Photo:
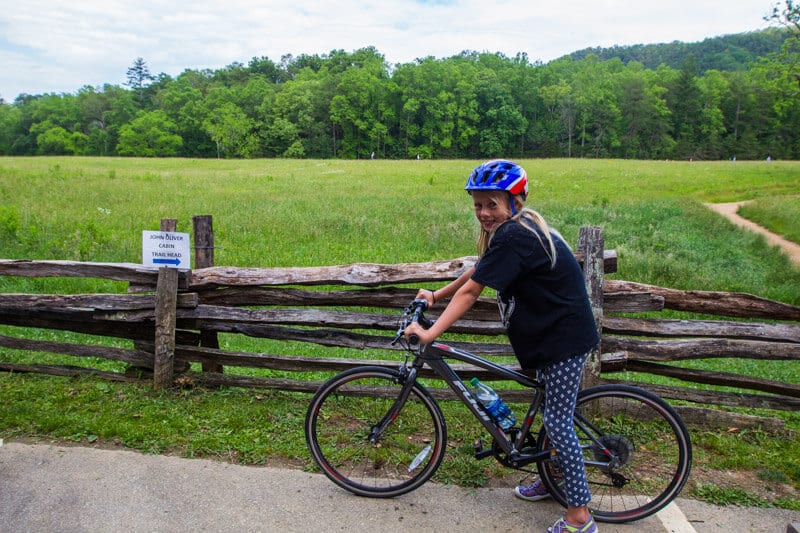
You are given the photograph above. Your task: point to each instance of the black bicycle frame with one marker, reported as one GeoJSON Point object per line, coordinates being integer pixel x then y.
{"type": "Point", "coordinates": [434, 355]}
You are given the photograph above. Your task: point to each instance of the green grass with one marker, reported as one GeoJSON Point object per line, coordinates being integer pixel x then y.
{"type": "Point", "coordinates": [295, 213]}
{"type": "Point", "coordinates": [243, 426]}
{"type": "Point", "coordinates": [307, 213]}
{"type": "Point", "coordinates": [779, 214]}
{"type": "Point", "coordinates": [728, 496]}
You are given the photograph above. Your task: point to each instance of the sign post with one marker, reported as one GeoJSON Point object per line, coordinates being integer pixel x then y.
{"type": "Point", "coordinates": [169, 251]}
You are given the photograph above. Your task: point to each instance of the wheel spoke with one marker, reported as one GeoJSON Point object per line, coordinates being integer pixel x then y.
{"type": "Point", "coordinates": [636, 450]}
{"type": "Point", "coordinates": [342, 433]}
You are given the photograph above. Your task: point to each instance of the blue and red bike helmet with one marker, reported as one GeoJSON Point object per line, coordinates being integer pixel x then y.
{"type": "Point", "coordinates": [499, 175]}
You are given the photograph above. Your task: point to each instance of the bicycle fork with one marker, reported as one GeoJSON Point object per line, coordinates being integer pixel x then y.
{"type": "Point", "coordinates": [408, 376]}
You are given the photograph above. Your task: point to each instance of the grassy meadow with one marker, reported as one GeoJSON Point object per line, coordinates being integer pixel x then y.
{"type": "Point", "coordinates": [299, 213]}
{"type": "Point", "coordinates": [778, 213]}
{"type": "Point", "coordinates": [310, 213]}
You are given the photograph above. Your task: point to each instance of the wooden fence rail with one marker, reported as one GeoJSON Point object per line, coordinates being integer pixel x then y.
{"type": "Point", "coordinates": [175, 324]}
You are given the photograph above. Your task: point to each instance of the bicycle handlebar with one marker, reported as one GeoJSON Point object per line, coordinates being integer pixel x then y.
{"type": "Point", "coordinates": [414, 312]}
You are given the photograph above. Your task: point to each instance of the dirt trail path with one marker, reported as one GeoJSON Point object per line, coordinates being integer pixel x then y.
{"type": "Point", "coordinates": [728, 210]}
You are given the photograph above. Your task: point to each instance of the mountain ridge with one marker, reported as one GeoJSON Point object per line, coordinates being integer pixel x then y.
{"type": "Point", "coordinates": [726, 52]}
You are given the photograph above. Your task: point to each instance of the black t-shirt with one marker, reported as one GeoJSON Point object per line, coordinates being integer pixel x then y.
{"type": "Point", "coordinates": [546, 310]}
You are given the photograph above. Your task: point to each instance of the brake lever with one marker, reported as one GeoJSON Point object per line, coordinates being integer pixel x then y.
{"type": "Point", "coordinates": [415, 309]}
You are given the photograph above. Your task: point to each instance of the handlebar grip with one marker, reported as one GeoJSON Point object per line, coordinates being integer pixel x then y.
{"type": "Point", "coordinates": [419, 306]}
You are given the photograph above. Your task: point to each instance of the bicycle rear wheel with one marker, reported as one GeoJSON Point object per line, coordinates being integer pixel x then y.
{"type": "Point", "coordinates": [637, 451]}
{"type": "Point", "coordinates": [341, 435]}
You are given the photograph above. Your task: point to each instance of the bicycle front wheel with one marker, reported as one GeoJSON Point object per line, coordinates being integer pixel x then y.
{"type": "Point", "coordinates": [342, 433]}
{"type": "Point", "coordinates": [637, 452]}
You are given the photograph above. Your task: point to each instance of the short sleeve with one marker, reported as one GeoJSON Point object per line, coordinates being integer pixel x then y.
{"type": "Point", "coordinates": [513, 252]}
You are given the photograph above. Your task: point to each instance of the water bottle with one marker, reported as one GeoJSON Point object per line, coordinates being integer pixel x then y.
{"type": "Point", "coordinates": [494, 404]}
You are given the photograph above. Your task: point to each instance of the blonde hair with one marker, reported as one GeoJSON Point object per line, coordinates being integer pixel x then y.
{"type": "Point", "coordinates": [528, 219]}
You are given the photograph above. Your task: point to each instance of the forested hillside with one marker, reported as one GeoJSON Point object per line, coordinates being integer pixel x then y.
{"type": "Point", "coordinates": [728, 52]}
{"type": "Point", "coordinates": [731, 97]}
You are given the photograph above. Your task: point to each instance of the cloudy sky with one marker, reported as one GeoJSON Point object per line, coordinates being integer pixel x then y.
{"type": "Point", "coordinates": [61, 46]}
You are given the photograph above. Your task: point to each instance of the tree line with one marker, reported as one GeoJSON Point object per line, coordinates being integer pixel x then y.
{"type": "Point", "coordinates": [471, 105]}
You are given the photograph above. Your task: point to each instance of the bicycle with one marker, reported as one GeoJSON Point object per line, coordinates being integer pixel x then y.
{"type": "Point", "coordinates": [378, 432]}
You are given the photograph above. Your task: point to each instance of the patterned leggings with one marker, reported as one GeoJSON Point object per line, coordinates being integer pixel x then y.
{"type": "Point", "coordinates": [562, 382]}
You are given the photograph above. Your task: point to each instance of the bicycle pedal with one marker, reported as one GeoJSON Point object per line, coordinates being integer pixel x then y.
{"type": "Point", "coordinates": [480, 452]}
{"type": "Point", "coordinates": [483, 454]}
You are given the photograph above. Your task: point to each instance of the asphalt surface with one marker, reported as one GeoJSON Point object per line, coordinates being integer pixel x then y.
{"type": "Point", "coordinates": [46, 488]}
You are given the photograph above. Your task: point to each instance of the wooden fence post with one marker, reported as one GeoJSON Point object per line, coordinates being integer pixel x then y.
{"type": "Point", "coordinates": [203, 241]}
{"type": "Point", "coordinates": [166, 309]}
{"type": "Point", "coordinates": [166, 306]}
{"type": "Point", "coordinates": [203, 258]}
{"type": "Point", "coordinates": [592, 244]}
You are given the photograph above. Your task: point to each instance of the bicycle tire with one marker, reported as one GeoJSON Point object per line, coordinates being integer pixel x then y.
{"type": "Point", "coordinates": [343, 412]}
{"type": "Point", "coordinates": [649, 442]}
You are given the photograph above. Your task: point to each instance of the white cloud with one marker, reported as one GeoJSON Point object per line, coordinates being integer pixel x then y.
{"type": "Point", "coordinates": [49, 46]}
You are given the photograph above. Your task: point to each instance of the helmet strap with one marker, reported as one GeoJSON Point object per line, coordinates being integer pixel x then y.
{"type": "Point", "coordinates": [511, 202]}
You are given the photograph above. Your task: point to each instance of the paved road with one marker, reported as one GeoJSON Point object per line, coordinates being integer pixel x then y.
{"type": "Point", "coordinates": [47, 488]}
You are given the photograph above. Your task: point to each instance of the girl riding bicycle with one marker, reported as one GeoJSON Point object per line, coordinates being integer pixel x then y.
{"type": "Point", "coordinates": [544, 307]}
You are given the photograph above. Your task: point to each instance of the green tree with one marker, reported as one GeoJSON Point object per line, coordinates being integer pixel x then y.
{"type": "Point", "coordinates": [231, 130]}
{"type": "Point", "coordinates": [102, 114]}
{"type": "Point", "coordinates": [10, 122]}
{"type": "Point", "coordinates": [185, 105]}
{"type": "Point", "coordinates": [596, 85]}
{"type": "Point", "coordinates": [56, 110]}
{"type": "Point", "coordinates": [295, 151]}
{"type": "Point", "coordinates": [786, 78]}
{"type": "Point", "coordinates": [58, 141]}
{"type": "Point", "coordinates": [281, 139]}
{"type": "Point", "coordinates": [139, 76]}
{"type": "Point", "coordinates": [713, 89]}
{"type": "Point", "coordinates": [684, 100]}
{"type": "Point", "coordinates": [233, 75]}
{"type": "Point", "coordinates": [738, 107]}
{"type": "Point", "coordinates": [267, 68]}
{"type": "Point", "coordinates": [150, 134]}
{"type": "Point", "coordinates": [438, 108]}
{"type": "Point", "coordinates": [645, 122]}
{"type": "Point", "coordinates": [358, 104]}
{"type": "Point", "coordinates": [305, 102]}
{"type": "Point", "coordinates": [787, 14]}
{"type": "Point", "coordinates": [560, 117]}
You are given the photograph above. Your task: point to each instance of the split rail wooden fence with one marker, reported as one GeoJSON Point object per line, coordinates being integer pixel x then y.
{"type": "Point", "coordinates": [174, 318]}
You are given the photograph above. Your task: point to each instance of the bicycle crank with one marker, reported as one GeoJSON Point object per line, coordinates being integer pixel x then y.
{"type": "Point", "coordinates": [507, 460]}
